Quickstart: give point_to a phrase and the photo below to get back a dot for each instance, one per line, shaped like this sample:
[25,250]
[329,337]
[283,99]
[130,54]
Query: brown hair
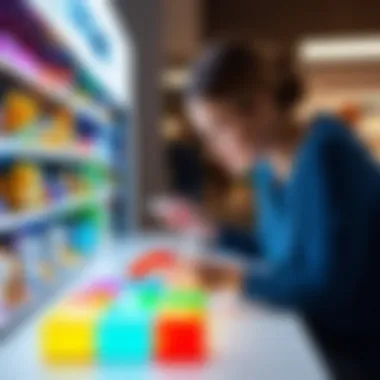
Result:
[233,71]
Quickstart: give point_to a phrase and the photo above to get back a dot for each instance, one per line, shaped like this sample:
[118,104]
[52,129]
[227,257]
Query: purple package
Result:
[14,53]
[6,45]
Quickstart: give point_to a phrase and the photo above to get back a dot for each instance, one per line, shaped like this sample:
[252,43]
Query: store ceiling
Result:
[287,21]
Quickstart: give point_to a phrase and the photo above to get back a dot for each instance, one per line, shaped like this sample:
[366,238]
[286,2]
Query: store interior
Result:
[92,125]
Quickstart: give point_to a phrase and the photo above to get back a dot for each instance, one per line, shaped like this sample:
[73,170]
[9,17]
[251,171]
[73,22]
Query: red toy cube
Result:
[181,339]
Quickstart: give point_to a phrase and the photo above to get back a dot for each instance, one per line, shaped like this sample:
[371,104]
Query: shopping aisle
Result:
[60,115]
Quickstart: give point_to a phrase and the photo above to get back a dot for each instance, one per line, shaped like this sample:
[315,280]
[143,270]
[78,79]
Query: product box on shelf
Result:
[14,286]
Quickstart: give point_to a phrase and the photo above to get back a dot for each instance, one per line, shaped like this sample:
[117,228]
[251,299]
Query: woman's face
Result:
[233,137]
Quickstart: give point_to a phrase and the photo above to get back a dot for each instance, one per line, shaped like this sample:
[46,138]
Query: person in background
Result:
[318,193]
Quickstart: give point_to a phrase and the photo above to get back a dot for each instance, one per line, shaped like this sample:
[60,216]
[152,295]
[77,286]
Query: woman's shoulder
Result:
[329,143]
[329,125]
[329,131]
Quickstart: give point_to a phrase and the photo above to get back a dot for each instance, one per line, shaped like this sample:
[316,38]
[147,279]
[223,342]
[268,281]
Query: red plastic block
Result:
[151,262]
[181,339]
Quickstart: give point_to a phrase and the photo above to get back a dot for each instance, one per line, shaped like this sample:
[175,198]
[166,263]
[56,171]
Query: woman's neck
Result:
[288,137]
[285,148]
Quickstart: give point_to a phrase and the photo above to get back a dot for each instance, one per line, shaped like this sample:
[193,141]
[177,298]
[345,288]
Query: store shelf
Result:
[60,95]
[12,221]
[31,68]
[45,294]
[11,148]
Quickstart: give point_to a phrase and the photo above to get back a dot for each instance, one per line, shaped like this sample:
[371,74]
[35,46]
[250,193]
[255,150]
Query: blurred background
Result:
[92,123]
[335,47]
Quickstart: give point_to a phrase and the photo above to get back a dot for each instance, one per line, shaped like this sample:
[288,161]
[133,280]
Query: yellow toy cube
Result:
[68,334]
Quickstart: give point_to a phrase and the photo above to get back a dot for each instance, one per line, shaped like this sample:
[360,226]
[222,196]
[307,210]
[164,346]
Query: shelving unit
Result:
[11,148]
[13,221]
[60,95]
[79,214]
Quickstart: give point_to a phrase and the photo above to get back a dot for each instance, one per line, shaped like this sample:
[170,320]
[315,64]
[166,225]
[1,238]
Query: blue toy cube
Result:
[126,336]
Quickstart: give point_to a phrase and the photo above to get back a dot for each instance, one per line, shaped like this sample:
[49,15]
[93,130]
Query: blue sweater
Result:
[270,210]
[327,234]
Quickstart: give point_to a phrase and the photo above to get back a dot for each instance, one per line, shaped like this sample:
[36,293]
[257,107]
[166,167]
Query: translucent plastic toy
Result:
[135,322]
[126,336]
[69,335]
[182,339]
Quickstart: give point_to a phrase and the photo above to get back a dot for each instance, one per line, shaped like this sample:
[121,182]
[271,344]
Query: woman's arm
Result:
[238,241]
[323,268]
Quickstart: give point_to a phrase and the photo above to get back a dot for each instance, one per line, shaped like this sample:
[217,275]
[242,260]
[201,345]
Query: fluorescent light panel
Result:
[353,49]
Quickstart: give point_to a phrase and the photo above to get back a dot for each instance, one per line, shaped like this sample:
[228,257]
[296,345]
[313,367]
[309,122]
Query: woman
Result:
[319,197]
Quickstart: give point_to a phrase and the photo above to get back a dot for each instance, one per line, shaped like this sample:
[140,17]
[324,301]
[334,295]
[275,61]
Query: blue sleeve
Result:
[320,270]
[270,211]
[238,241]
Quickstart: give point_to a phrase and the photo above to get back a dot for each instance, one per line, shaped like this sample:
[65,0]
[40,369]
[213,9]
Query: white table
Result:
[261,345]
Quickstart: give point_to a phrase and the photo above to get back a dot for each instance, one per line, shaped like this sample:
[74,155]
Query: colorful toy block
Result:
[185,300]
[111,322]
[151,262]
[69,335]
[126,336]
[181,339]
[144,295]
[90,299]
[145,301]
[108,286]
[98,294]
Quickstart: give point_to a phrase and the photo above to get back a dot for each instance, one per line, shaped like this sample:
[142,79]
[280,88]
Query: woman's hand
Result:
[211,274]
[181,215]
